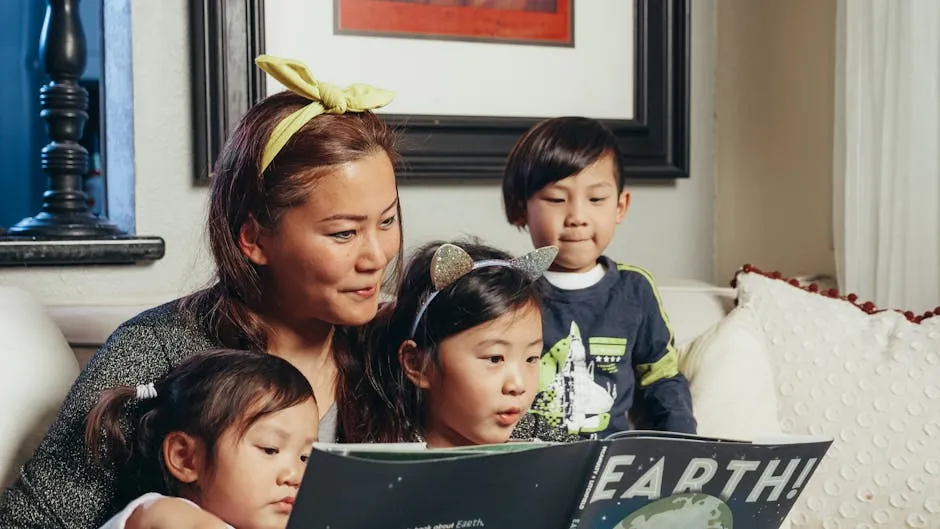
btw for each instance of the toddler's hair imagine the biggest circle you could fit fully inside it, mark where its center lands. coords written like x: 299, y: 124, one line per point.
x: 204, y: 396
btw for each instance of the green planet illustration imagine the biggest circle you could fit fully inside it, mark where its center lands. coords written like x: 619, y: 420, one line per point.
x: 688, y: 511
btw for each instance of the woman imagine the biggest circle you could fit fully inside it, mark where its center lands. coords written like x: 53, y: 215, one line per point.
x: 303, y: 222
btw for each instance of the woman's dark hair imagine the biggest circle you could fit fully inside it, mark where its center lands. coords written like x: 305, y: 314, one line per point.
x: 553, y: 150
x: 395, y: 412
x: 204, y: 396
x: 230, y: 308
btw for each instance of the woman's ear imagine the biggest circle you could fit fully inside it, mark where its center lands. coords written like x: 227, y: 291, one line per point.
x: 413, y: 363
x: 184, y: 457
x: 249, y: 241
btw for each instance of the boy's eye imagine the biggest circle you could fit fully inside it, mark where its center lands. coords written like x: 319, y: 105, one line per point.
x: 268, y: 450
x: 598, y: 199
x: 344, y: 235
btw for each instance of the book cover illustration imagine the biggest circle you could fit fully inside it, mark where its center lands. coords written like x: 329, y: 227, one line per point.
x: 654, y: 481
x: 641, y: 480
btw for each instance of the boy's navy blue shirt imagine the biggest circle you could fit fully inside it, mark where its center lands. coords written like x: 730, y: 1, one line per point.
x: 608, y: 347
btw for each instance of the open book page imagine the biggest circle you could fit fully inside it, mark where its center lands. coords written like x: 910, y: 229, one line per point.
x: 419, y: 451
x: 535, y: 487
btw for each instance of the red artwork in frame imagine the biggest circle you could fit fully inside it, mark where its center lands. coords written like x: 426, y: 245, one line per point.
x: 545, y: 22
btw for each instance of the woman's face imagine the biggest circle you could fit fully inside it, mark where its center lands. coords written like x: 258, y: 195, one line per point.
x: 325, y: 259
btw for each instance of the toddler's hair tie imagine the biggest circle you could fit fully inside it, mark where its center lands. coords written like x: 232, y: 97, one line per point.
x: 146, y: 391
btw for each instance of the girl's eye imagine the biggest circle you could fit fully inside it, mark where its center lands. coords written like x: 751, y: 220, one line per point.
x: 389, y: 221
x: 344, y: 235
x: 495, y: 359
x: 554, y: 200
x: 303, y: 459
x: 268, y: 450
x: 533, y: 359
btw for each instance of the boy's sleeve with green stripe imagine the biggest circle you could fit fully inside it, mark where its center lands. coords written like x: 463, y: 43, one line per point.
x: 662, y: 391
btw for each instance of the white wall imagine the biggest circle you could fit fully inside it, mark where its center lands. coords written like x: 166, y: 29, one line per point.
x: 669, y: 229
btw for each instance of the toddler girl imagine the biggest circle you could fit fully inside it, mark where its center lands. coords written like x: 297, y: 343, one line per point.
x: 222, y: 440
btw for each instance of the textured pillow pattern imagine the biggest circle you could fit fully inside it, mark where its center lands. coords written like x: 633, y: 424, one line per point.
x: 872, y: 383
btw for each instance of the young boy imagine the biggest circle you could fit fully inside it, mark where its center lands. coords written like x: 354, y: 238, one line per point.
x: 609, y: 349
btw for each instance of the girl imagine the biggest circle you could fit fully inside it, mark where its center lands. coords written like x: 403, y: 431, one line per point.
x: 216, y: 420
x: 303, y: 221
x: 462, y: 348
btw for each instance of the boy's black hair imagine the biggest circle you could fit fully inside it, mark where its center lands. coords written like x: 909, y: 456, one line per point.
x: 553, y: 150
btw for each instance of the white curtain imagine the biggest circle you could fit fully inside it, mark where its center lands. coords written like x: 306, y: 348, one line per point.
x: 887, y: 152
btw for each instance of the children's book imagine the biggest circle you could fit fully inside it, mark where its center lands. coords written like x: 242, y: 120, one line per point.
x: 632, y: 480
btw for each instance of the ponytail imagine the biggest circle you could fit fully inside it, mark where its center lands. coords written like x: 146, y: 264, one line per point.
x: 105, y: 440
x: 108, y: 441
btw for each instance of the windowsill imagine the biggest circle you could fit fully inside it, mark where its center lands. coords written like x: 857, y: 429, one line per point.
x: 126, y: 249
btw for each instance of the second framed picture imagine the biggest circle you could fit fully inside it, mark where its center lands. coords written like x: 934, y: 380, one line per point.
x: 472, y: 76
x: 539, y: 22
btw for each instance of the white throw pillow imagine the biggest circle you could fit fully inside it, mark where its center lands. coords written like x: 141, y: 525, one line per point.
x: 731, y: 379
x: 872, y: 383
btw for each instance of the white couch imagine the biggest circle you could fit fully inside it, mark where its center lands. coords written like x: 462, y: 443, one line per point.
x: 42, y: 349
x: 781, y: 362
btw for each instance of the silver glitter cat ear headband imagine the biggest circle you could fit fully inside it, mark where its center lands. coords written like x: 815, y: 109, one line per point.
x: 451, y: 262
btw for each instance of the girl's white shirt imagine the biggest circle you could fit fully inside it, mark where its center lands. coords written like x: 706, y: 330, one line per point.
x: 119, y: 520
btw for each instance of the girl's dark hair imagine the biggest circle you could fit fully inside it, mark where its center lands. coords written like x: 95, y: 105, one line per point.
x: 204, y: 396
x: 230, y: 308
x: 553, y: 150
x: 394, y: 412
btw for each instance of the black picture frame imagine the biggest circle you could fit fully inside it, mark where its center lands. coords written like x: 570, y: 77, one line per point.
x: 228, y: 34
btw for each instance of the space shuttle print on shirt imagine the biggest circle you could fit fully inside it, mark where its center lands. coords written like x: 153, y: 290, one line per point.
x: 610, y: 362
x: 568, y: 394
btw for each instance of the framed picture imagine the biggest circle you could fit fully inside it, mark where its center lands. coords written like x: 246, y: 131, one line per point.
x: 513, y: 21
x: 462, y: 105
x: 226, y: 37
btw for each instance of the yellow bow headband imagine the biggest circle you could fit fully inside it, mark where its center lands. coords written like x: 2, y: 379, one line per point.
x: 325, y: 98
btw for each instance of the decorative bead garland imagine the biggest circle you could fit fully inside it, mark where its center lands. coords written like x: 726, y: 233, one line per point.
x: 868, y: 307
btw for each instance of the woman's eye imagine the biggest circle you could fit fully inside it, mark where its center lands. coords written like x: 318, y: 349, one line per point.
x: 344, y: 235
x: 268, y: 450
x: 389, y: 221
x: 533, y: 359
